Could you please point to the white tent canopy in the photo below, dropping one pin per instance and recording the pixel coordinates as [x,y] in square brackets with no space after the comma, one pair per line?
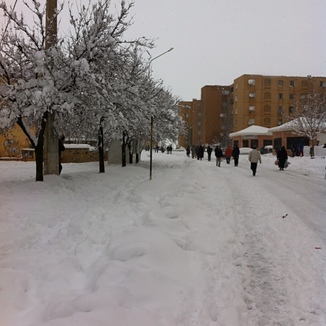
[252,131]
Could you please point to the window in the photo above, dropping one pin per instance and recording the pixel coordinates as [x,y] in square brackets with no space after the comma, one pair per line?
[322,84]
[267,82]
[267,95]
[267,122]
[254,143]
[267,108]
[280,96]
[277,143]
[291,83]
[291,96]
[267,142]
[251,108]
[251,122]
[280,110]
[252,95]
[245,143]
[251,82]
[279,122]
[280,82]
[291,108]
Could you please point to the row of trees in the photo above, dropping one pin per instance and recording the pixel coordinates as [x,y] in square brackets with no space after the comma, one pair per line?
[96,82]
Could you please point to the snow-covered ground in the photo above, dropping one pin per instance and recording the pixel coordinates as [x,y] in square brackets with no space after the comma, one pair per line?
[197,245]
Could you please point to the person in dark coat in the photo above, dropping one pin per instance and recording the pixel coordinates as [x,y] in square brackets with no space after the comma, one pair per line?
[61,149]
[300,148]
[282,157]
[219,155]
[200,152]
[235,154]
[209,152]
[188,151]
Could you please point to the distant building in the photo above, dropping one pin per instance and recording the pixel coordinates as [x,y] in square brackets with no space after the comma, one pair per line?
[250,100]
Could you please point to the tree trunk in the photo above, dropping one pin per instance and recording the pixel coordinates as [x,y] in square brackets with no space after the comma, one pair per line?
[37,147]
[312,148]
[39,160]
[123,149]
[101,149]
[123,153]
[137,158]
[130,152]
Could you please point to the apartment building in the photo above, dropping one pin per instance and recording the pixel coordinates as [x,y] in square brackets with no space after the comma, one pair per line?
[209,119]
[192,116]
[267,101]
[261,100]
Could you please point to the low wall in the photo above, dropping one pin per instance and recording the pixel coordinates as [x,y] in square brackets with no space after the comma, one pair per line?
[80,153]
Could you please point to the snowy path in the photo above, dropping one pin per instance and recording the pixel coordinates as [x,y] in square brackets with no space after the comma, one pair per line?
[270,255]
[197,245]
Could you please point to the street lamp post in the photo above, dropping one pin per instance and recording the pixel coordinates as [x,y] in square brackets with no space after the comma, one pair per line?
[152,123]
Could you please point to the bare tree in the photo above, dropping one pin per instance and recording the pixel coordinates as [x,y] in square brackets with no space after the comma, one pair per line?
[308,116]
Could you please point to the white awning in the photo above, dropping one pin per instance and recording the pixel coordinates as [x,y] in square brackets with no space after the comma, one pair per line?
[252,131]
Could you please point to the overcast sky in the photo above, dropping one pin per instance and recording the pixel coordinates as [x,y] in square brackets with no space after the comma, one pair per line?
[216,41]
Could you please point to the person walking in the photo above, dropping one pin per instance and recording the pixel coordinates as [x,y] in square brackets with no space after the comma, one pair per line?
[193,151]
[282,157]
[200,152]
[235,154]
[254,157]
[188,151]
[228,154]
[209,152]
[300,148]
[218,155]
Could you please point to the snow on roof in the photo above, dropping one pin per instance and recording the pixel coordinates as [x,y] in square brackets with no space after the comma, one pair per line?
[252,130]
[291,125]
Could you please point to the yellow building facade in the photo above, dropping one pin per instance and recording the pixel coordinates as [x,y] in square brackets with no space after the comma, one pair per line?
[15,145]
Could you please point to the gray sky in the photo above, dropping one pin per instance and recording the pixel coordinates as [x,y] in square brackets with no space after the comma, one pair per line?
[216,41]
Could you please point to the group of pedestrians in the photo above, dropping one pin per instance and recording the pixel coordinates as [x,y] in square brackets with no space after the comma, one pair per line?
[254,156]
[198,152]
[229,153]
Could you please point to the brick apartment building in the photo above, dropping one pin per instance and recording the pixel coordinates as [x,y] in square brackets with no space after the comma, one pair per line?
[250,100]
